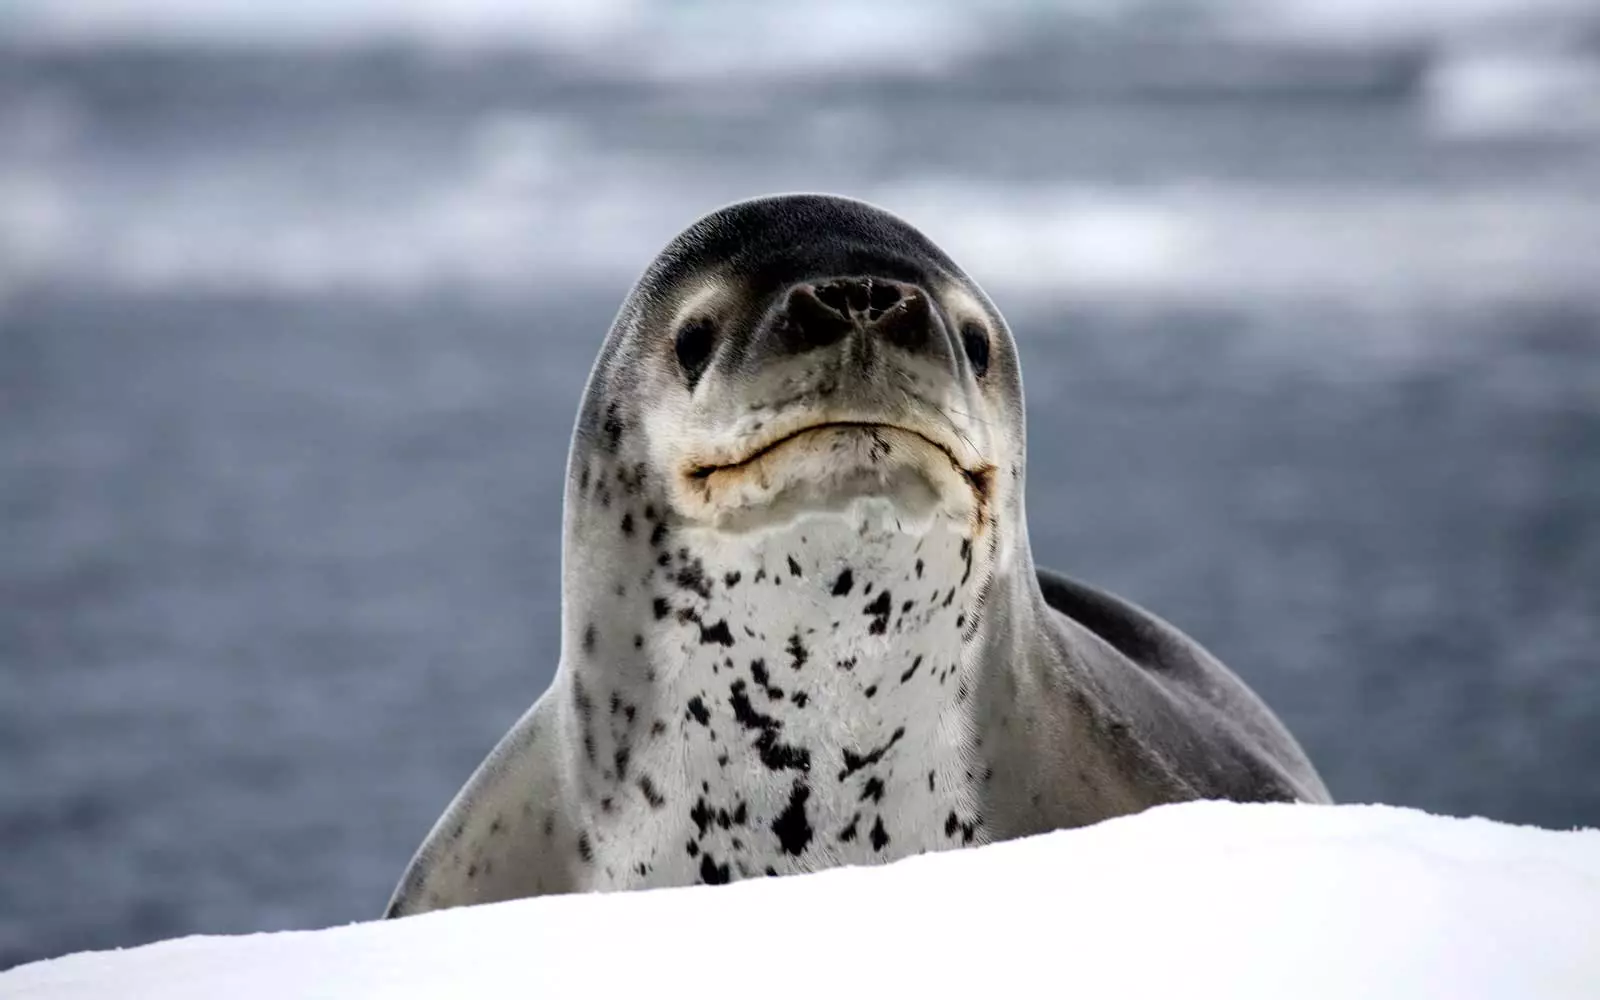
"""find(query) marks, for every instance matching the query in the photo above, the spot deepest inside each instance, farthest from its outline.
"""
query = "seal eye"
(976, 343)
(694, 343)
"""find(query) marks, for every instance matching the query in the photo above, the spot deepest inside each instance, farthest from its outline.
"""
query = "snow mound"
(1202, 899)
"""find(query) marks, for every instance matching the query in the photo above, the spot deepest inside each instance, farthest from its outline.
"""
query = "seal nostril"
(907, 323)
(832, 296)
(976, 343)
(693, 346)
(883, 296)
(810, 322)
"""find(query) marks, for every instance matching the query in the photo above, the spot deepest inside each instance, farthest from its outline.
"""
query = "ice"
(1195, 900)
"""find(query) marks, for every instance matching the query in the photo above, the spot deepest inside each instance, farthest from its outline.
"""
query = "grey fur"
(786, 683)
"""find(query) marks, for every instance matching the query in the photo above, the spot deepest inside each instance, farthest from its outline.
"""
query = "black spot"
(585, 851)
(731, 579)
(713, 874)
(966, 554)
(873, 789)
(797, 651)
(919, 569)
(697, 709)
(605, 804)
(583, 480)
(741, 814)
(969, 831)
(627, 523)
(794, 568)
(772, 872)
(880, 836)
(792, 826)
(961, 620)
(758, 670)
(847, 664)
(657, 727)
(701, 814)
(761, 574)
(845, 580)
(616, 703)
(612, 427)
(472, 870)
(638, 642)
(717, 633)
(776, 756)
(849, 833)
(799, 698)
(948, 598)
(872, 689)
(660, 607)
(693, 576)
(914, 665)
(620, 759)
(692, 849)
(879, 611)
(659, 533)
(930, 781)
(549, 824)
(724, 820)
(854, 762)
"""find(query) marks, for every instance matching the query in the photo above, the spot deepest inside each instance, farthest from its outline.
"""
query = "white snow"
(1198, 900)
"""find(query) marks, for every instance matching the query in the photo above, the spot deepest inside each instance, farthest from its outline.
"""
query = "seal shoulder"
(1188, 710)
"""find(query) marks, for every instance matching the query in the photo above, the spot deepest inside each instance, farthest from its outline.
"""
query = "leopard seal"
(801, 623)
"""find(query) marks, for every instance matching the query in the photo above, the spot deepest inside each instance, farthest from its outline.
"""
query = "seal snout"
(820, 314)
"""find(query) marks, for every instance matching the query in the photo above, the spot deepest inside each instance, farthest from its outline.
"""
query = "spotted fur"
(802, 626)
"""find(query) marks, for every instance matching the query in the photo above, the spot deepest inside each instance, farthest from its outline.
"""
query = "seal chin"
(835, 467)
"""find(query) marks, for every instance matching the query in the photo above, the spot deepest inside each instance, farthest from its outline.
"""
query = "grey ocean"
(290, 348)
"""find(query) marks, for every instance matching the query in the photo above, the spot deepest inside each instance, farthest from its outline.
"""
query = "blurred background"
(296, 302)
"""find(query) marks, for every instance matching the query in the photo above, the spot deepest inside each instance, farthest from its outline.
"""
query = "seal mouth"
(980, 479)
(827, 464)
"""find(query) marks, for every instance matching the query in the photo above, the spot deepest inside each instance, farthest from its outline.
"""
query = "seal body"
(802, 626)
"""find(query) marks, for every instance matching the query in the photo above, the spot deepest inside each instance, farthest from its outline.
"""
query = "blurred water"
(290, 346)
